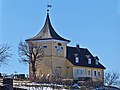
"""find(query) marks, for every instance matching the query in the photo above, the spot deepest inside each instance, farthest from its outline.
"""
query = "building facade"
(76, 63)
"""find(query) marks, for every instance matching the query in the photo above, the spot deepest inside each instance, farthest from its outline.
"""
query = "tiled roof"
(47, 32)
(83, 60)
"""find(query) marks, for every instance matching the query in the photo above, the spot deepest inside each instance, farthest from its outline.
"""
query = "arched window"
(95, 73)
(76, 59)
(81, 72)
(99, 73)
(89, 72)
(96, 62)
(77, 71)
(89, 61)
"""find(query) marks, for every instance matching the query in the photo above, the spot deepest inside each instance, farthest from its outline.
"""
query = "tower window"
(76, 59)
(55, 46)
(61, 47)
(45, 46)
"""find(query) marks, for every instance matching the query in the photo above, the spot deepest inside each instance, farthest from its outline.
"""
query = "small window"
(45, 46)
(61, 47)
(98, 72)
(81, 72)
(89, 61)
(89, 72)
(95, 74)
(77, 71)
(96, 62)
(59, 50)
(77, 60)
(55, 46)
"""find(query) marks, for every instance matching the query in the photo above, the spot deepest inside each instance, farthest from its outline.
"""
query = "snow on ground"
(35, 86)
(39, 88)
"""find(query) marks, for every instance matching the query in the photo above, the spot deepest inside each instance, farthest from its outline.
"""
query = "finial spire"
(48, 6)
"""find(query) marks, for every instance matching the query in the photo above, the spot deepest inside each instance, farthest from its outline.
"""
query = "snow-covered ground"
(40, 88)
(35, 86)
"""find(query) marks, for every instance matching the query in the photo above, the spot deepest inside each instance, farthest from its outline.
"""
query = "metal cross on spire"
(48, 6)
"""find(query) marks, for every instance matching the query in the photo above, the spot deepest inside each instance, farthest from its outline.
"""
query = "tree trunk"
(34, 72)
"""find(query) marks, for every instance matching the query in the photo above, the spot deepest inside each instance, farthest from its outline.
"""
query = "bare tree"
(57, 75)
(112, 78)
(4, 53)
(30, 53)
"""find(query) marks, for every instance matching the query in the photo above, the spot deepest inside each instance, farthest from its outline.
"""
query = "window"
(61, 47)
(55, 46)
(89, 72)
(59, 50)
(45, 46)
(77, 60)
(96, 62)
(89, 61)
(77, 71)
(98, 72)
(81, 71)
(95, 74)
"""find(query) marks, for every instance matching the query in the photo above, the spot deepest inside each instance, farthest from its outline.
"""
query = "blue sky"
(93, 24)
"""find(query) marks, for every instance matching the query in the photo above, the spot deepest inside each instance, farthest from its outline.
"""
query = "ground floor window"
(77, 71)
(95, 73)
(81, 71)
(89, 72)
(98, 72)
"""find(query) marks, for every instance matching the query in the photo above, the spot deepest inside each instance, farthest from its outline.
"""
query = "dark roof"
(47, 32)
(83, 60)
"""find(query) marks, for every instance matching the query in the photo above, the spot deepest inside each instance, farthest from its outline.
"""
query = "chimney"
(77, 46)
(96, 58)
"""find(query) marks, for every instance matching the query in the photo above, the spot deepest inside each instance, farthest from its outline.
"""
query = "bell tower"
(54, 48)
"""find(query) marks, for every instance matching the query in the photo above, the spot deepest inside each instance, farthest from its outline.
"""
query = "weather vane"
(48, 6)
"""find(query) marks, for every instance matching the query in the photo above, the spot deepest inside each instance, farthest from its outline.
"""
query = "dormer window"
(89, 61)
(96, 60)
(76, 59)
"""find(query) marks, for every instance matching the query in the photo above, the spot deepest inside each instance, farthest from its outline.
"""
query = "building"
(76, 63)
